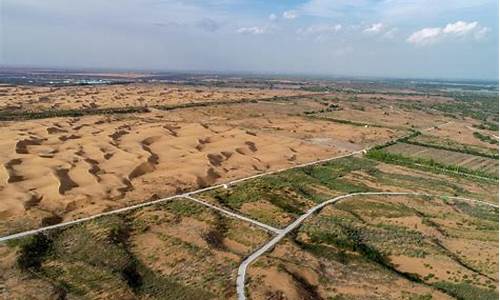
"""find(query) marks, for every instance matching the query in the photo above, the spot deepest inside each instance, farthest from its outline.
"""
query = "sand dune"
(65, 168)
(137, 94)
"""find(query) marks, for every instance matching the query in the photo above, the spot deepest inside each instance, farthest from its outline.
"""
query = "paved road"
(240, 280)
(133, 207)
(186, 195)
(236, 216)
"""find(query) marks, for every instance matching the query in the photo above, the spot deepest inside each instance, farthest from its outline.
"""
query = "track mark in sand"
(215, 159)
(227, 154)
(209, 179)
(126, 188)
(251, 146)
(143, 168)
(13, 176)
(118, 134)
(149, 165)
(251, 133)
(153, 157)
(65, 182)
(80, 126)
(108, 156)
(202, 142)
(172, 129)
(69, 137)
(242, 151)
(94, 168)
(22, 145)
(52, 130)
(32, 201)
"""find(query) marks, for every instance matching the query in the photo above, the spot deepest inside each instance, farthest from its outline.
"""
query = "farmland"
(177, 250)
(385, 247)
(162, 190)
(451, 158)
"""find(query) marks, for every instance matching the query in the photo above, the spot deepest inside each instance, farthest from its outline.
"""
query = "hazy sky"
(388, 38)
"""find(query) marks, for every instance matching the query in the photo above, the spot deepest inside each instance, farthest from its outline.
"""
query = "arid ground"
(74, 151)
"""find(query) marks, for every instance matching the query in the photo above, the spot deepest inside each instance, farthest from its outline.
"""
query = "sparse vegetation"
(418, 162)
(465, 291)
(485, 138)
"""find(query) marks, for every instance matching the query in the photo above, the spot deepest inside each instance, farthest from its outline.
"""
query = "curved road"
(240, 281)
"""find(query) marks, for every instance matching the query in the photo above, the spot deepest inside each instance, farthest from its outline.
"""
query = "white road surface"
(242, 270)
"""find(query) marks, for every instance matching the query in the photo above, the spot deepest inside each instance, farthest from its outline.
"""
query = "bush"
(485, 138)
(32, 252)
(399, 159)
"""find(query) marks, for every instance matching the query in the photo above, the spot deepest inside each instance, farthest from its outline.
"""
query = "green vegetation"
(14, 115)
(450, 145)
(485, 138)
(316, 88)
(465, 291)
(393, 158)
(481, 212)
(342, 121)
(308, 183)
(479, 106)
(475, 105)
(487, 126)
(7, 115)
(33, 251)
(95, 257)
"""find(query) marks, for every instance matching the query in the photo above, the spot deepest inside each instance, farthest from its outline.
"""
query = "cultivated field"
(69, 152)
(177, 250)
(451, 158)
(390, 247)
(279, 199)
(448, 144)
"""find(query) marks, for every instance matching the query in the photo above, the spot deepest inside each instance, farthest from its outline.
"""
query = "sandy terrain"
(105, 96)
(333, 253)
(461, 132)
(177, 250)
(64, 168)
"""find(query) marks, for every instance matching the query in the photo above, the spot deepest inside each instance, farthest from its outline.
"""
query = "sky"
(456, 39)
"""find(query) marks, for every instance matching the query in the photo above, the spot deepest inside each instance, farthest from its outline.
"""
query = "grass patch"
(485, 138)
(482, 212)
(89, 259)
(184, 207)
(394, 158)
(450, 145)
(465, 291)
(316, 183)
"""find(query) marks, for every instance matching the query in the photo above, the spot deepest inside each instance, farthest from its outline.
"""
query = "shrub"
(32, 252)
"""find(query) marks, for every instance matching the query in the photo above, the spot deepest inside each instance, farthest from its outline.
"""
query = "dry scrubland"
(124, 95)
(63, 168)
(55, 169)
(179, 250)
(385, 248)
(390, 247)
(473, 162)
(278, 199)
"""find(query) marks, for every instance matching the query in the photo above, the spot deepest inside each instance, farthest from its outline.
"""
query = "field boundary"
(19, 115)
(379, 154)
(242, 269)
(184, 195)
